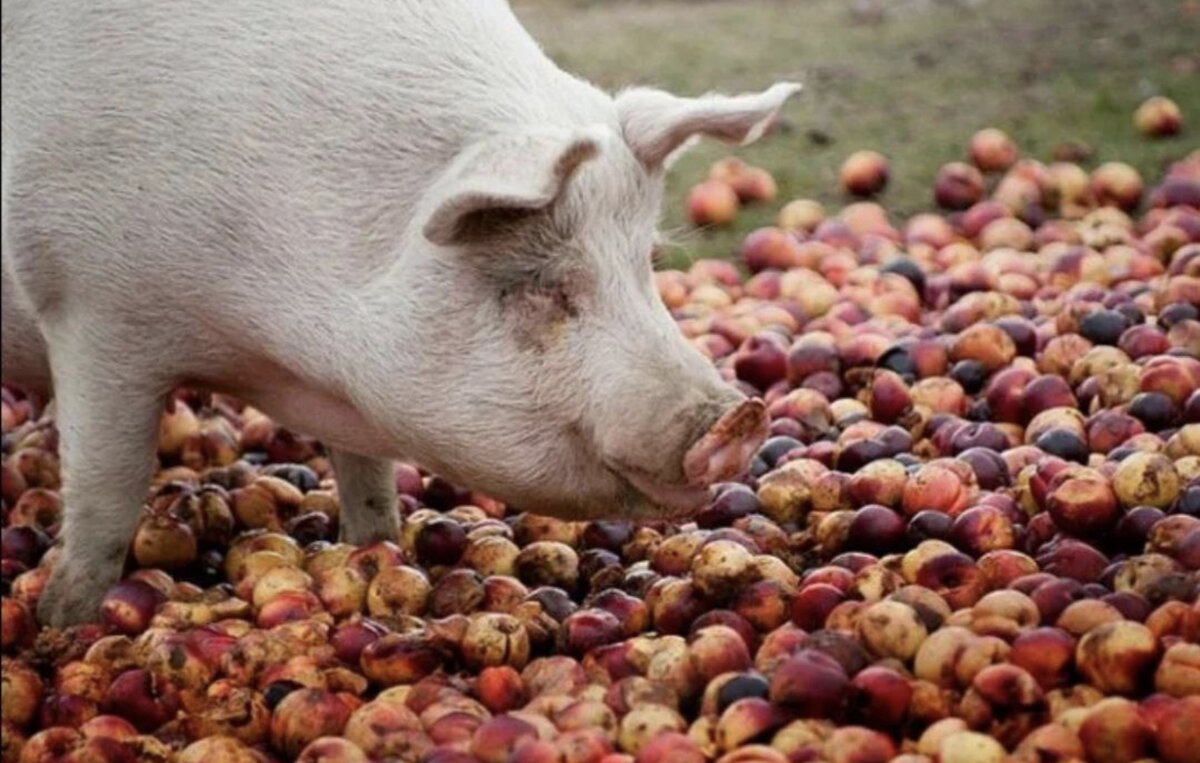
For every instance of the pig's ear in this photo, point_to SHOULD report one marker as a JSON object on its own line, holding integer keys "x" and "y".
{"x": 504, "y": 176}
{"x": 657, "y": 124}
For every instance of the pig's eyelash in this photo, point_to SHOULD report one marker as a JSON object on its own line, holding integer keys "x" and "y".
{"x": 658, "y": 253}
{"x": 665, "y": 242}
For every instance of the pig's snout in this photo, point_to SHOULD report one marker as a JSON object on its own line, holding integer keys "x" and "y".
{"x": 729, "y": 444}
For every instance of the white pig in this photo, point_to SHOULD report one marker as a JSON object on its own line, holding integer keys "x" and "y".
{"x": 393, "y": 224}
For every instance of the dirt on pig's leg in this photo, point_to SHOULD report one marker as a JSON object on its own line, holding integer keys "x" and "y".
{"x": 367, "y": 492}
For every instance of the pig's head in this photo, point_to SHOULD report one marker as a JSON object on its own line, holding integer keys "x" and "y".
{"x": 551, "y": 374}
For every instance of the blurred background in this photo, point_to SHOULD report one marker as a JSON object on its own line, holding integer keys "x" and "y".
{"x": 912, "y": 79}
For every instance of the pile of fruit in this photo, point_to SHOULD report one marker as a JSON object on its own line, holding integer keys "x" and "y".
{"x": 972, "y": 537}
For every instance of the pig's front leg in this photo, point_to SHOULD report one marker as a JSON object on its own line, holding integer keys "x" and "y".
{"x": 108, "y": 424}
{"x": 367, "y": 492}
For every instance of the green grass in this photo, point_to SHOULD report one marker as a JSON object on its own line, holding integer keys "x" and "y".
{"x": 912, "y": 82}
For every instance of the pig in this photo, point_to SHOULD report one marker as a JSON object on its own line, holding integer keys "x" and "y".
{"x": 394, "y": 225}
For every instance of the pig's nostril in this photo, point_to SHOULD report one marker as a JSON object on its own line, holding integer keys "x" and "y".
{"x": 728, "y": 445}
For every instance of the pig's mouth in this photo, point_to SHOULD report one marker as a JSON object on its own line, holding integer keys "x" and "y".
{"x": 722, "y": 453}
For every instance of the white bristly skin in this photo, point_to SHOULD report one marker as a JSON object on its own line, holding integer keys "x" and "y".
{"x": 394, "y": 225}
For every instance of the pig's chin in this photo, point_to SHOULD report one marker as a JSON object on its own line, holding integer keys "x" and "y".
{"x": 651, "y": 499}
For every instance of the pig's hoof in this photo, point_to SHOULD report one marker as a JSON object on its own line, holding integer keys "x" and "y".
{"x": 68, "y": 601}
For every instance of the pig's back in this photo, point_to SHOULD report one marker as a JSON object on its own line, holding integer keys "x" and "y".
{"x": 214, "y": 130}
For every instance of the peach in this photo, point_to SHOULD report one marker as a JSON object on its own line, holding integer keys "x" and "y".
{"x": 889, "y": 398}
{"x": 891, "y": 629}
{"x": 931, "y": 738}
{"x": 813, "y": 603}
{"x": 220, "y": 748}
{"x": 931, "y": 608}
{"x": 1047, "y": 653}
{"x": 1052, "y": 741}
{"x": 717, "y": 649}
{"x": 802, "y": 737}
{"x": 1006, "y": 233}
{"x": 1146, "y": 479}
{"x": 977, "y": 655}
{"x": 400, "y": 658}
{"x": 864, "y": 173}
{"x": 1115, "y": 731}
{"x": 499, "y": 737}
{"x": 1178, "y": 673}
{"x": 754, "y": 184}
{"x": 643, "y": 723}
{"x": 305, "y": 715}
{"x": 727, "y": 169}
{"x": 764, "y": 604}
{"x": 754, "y": 753}
{"x": 587, "y": 629}
{"x": 548, "y": 563}
{"x": 876, "y": 527}
{"x": 1019, "y": 193}
{"x": 673, "y": 556}
{"x": 855, "y": 744}
{"x": 801, "y": 215}
{"x": 1084, "y": 504}
{"x": 771, "y": 248}
{"x": 761, "y": 360}
{"x": 332, "y": 749}
{"x": 1117, "y": 184}
{"x": 810, "y": 683}
{"x": 712, "y": 202}
{"x": 925, "y": 228}
{"x": 969, "y": 747}
{"x": 52, "y": 744}
{"x": 1118, "y": 657}
{"x": 1177, "y": 735}
{"x": 1065, "y": 703}
{"x": 1158, "y": 117}
{"x": 939, "y": 394}
{"x": 669, "y": 747}
{"x": 746, "y": 719}
{"x": 939, "y": 486}
{"x": 494, "y": 638}
{"x": 983, "y": 529}
{"x": 1067, "y": 187}
{"x": 991, "y": 150}
{"x": 957, "y": 186}
{"x": 1170, "y": 377}
{"x": 500, "y": 688}
{"x": 1001, "y": 692}
{"x": 1109, "y": 429}
{"x": 880, "y": 697}
{"x": 1082, "y": 616}
{"x": 372, "y": 559}
{"x": 674, "y": 604}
